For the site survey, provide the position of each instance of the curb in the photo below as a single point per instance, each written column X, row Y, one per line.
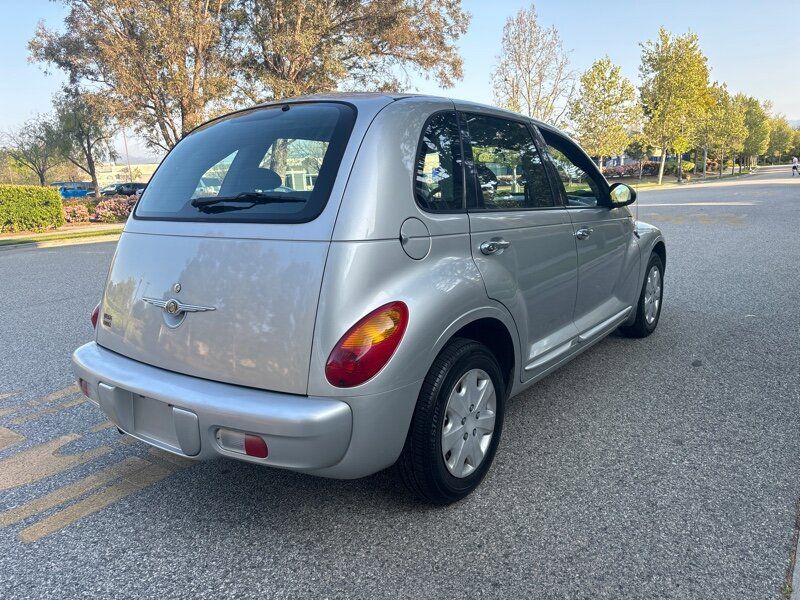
column 95, row 239
column 679, row 186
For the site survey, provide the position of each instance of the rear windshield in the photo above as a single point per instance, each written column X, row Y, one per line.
column 267, row 165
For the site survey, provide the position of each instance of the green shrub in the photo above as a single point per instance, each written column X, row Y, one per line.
column 29, row 207
column 671, row 167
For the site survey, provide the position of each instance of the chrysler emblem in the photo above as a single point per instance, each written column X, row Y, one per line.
column 173, row 307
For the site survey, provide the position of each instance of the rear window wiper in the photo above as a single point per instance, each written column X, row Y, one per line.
column 251, row 198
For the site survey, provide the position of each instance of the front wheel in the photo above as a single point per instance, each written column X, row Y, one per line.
column 456, row 424
column 648, row 309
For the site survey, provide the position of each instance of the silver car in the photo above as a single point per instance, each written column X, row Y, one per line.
column 370, row 282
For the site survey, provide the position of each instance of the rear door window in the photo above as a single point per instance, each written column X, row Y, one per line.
column 270, row 165
column 508, row 167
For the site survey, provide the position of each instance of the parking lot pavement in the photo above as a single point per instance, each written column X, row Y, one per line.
column 664, row 467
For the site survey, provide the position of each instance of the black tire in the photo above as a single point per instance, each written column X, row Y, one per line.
column 640, row 327
column 421, row 464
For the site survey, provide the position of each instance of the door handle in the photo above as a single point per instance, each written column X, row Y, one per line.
column 583, row 233
column 494, row 246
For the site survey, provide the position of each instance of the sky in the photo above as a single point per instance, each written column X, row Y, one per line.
column 753, row 46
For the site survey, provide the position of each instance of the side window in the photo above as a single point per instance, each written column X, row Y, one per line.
column 297, row 162
column 508, row 166
column 211, row 181
column 580, row 188
column 439, row 177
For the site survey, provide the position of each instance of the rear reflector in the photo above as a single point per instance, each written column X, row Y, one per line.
column 242, row 443
column 95, row 315
column 255, row 446
column 84, row 385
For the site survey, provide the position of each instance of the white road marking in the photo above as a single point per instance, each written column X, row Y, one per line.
column 701, row 204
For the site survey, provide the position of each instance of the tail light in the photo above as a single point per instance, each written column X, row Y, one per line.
column 367, row 346
column 95, row 315
column 242, row 443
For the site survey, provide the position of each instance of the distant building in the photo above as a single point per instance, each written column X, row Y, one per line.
column 108, row 173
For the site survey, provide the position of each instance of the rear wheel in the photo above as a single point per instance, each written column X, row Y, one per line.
column 648, row 309
column 456, row 424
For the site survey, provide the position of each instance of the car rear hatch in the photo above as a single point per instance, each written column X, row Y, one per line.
column 218, row 272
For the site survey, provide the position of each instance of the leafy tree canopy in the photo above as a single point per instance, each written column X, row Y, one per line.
column 605, row 111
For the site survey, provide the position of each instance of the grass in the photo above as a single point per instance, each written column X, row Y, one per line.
column 58, row 235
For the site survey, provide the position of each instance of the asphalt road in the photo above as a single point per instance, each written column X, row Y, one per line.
column 664, row 467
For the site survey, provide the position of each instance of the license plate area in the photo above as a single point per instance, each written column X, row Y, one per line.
column 153, row 420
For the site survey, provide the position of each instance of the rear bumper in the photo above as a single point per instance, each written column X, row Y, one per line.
column 334, row 437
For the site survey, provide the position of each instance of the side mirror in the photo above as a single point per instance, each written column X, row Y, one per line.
column 621, row 194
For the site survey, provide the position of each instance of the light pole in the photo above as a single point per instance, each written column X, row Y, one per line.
column 127, row 156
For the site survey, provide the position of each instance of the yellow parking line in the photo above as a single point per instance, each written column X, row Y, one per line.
column 49, row 410
column 128, row 485
column 5, row 395
column 70, row 389
column 172, row 458
column 9, row 438
column 43, row 461
column 69, row 492
column 7, row 411
column 101, row 426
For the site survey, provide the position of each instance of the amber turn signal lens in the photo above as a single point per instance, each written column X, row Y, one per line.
column 367, row 346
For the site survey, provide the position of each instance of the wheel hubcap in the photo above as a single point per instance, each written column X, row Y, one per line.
column 468, row 422
column 652, row 295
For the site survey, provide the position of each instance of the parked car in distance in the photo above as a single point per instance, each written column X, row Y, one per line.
column 74, row 189
column 366, row 283
column 122, row 189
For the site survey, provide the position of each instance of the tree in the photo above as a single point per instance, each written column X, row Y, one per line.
column 639, row 148
column 757, row 122
column 605, row 111
column 781, row 137
column 291, row 48
column 674, row 92
column 84, row 132
column 162, row 64
column 795, row 149
column 34, row 146
column 725, row 131
column 532, row 73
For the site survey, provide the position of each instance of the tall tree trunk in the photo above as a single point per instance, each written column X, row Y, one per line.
column 277, row 163
column 679, row 167
column 705, row 160
column 600, row 163
column 721, row 163
column 661, row 165
column 694, row 171
column 93, row 173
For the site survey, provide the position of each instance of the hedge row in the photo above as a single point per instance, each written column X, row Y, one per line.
column 29, row 207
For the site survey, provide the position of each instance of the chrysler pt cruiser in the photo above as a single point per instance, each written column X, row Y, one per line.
column 337, row 284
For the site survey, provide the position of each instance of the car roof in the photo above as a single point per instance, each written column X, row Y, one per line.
column 357, row 98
